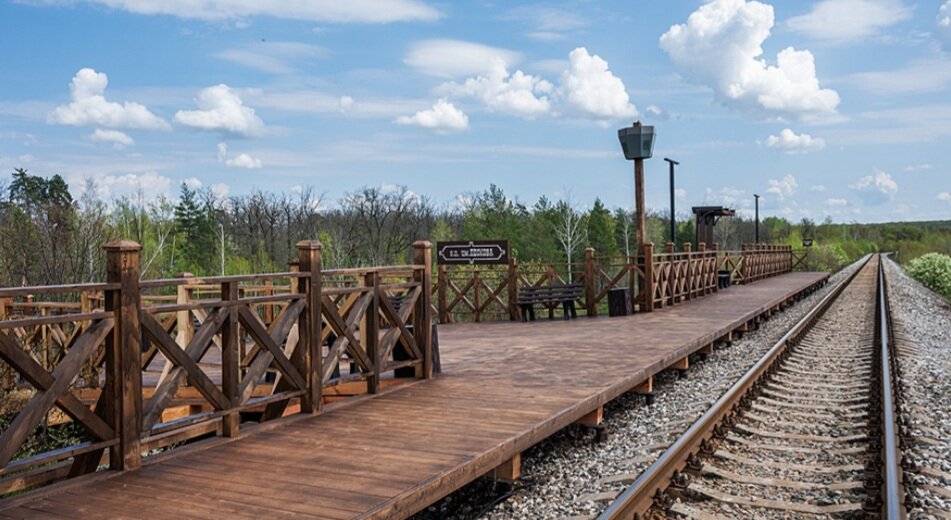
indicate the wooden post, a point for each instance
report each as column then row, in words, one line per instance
column 309, row 325
column 230, row 359
column 441, row 289
column 513, row 289
column 688, row 274
column 704, row 269
column 423, row 313
column 268, row 307
column 371, row 330
column 647, row 262
column 640, row 218
column 590, row 285
column 476, row 298
column 124, row 352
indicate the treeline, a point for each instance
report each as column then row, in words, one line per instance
column 47, row 237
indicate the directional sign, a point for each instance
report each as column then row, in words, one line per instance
column 473, row 252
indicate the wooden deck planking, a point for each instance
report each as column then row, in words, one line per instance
column 505, row 387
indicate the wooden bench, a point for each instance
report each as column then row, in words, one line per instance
column 565, row 294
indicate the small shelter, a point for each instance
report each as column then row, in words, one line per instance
column 707, row 217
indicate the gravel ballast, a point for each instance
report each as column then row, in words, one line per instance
column 570, row 475
column 922, row 327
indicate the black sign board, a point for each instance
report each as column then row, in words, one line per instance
column 473, row 252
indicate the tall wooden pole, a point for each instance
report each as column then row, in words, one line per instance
column 639, row 205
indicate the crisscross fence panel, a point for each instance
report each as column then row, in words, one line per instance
column 130, row 366
column 669, row 278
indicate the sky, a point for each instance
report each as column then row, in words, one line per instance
column 828, row 108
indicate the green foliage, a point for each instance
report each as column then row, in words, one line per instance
column 197, row 237
column 601, row 230
column 933, row 270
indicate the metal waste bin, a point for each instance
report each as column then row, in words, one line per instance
column 723, row 279
column 619, row 302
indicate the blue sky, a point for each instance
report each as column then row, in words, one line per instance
column 836, row 108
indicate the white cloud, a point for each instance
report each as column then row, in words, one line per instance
column 792, row 143
column 918, row 167
column 456, row 58
column 221, row 109
column 89, row 106
column 443, row 117
column 849, row 20
column 720, row 46
column 193, row 183
column 517, row 94
column 335, row 11
column 924, row 75
column 273, row 57
column 876, row 189
column 590, row 87
column 547, row 23
column 782, row 188
column 818, row 188
column 944, row 197
column 220, row 190
column 836, row 202
column 656, row 113
column 727, row 196
column 587, row 89
column 943, row 29
column 680, row 193
column 118, row 139
column 242, row 160
column 149, row 185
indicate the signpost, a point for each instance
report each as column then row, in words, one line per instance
column 470, row 252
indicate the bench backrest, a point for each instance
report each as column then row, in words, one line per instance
column 550, row 293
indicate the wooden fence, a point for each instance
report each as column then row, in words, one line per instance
column 138, row 365
column 491, row 293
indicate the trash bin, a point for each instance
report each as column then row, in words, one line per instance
column 723, row 279
column 619, row 302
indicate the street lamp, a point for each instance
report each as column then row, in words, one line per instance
column 757, row 217
column 673, row 222
column 637, row 141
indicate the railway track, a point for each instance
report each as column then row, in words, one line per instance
column 808, row 432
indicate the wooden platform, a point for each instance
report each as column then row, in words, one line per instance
column 504, row 387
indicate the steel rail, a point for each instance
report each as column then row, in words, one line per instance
column 635, row 501
column 893, row 493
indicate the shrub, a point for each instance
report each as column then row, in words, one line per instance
column 933, row 270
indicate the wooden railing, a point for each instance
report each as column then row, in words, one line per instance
column 159, row 362
column 490, row 293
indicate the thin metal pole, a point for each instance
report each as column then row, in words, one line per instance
column 757, row 217
column 673, row 212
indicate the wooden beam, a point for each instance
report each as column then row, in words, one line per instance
column 682, row 364
column 510, row 470
column 592, row 419
column 706, row 349
column 647, row 387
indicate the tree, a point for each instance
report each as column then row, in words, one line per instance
column 196, row 231
column 601, row 230
column 569, row 230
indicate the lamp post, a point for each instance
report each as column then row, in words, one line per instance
column 673, row 221
column 757, row 217
column 637, row 141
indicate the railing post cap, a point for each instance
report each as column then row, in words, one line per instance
column 425, row 244
column 121, row 245
column 310, row 245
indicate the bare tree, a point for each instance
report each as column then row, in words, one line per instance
column 569, row 229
